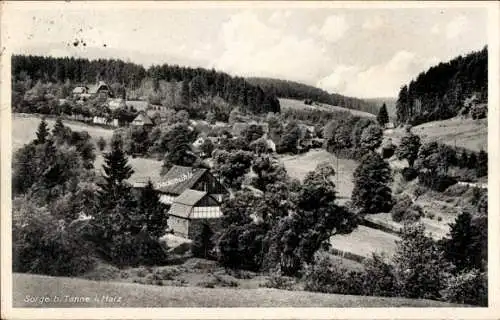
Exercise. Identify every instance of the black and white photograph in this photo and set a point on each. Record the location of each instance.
(249, 155)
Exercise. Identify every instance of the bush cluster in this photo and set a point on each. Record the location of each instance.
(406, 210)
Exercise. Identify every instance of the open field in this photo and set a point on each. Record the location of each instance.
(299, 104)
(143, 168)
(24, 128)
(466, 133)
(434, 228)
(144, 296)
(298, 166)
(364, 241)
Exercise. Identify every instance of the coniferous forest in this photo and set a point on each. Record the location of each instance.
(440, 92)
(235, 90)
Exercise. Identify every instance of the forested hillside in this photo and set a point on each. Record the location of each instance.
(295, 90)
(440, 92)
(128, 76)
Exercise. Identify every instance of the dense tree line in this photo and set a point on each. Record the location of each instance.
(195, 82)
(439, 93)
(295, 90)
(352, 137)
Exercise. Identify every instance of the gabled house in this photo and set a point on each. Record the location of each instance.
(179, 179)
(190, 210)
(101, 90)
(142, 120)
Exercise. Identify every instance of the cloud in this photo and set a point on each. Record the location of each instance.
(436, 29)
(373, 23)
(254, 48)
(332, 30)
(280, 17)
(382, 80)
(456, 26)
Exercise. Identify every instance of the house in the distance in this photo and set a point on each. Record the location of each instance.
(79, 91)
(191, 210)
(100, 90)
(142, 120)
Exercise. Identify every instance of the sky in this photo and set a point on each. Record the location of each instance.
(360, 52)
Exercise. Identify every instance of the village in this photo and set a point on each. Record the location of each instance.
(193, 195)
(181, 185)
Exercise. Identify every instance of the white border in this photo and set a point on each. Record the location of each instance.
(492, 312)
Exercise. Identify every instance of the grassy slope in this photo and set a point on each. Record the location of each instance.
(466, 133)
(136, 295)
(298, 166)
(24, 128)
(364, 241)
(298, 104)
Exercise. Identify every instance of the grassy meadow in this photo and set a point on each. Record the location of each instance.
(24, 129)
(298, 166)
(299, 104)
(149, 296)
(465, 133)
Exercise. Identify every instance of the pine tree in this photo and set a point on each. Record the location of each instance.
(482, 164)
(151, 213)
(116, 170)
(60, 132)
(42, 133)
(383, 116)
(185, 93)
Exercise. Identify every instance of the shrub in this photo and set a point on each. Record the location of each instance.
(409, 174)
(141, 272)
(479, 111)
(379, 278)
(405, 210)
(468, 287)
(129, 250)
(326, 277)
(43, 245)
(435, 181)
(166, 273)
(277, 281)
(218, 281)
(419, 264)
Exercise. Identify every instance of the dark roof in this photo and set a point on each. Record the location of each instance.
(185, 203)
(179, 178)
(190, 197)
(143, 118)
(95, 88)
